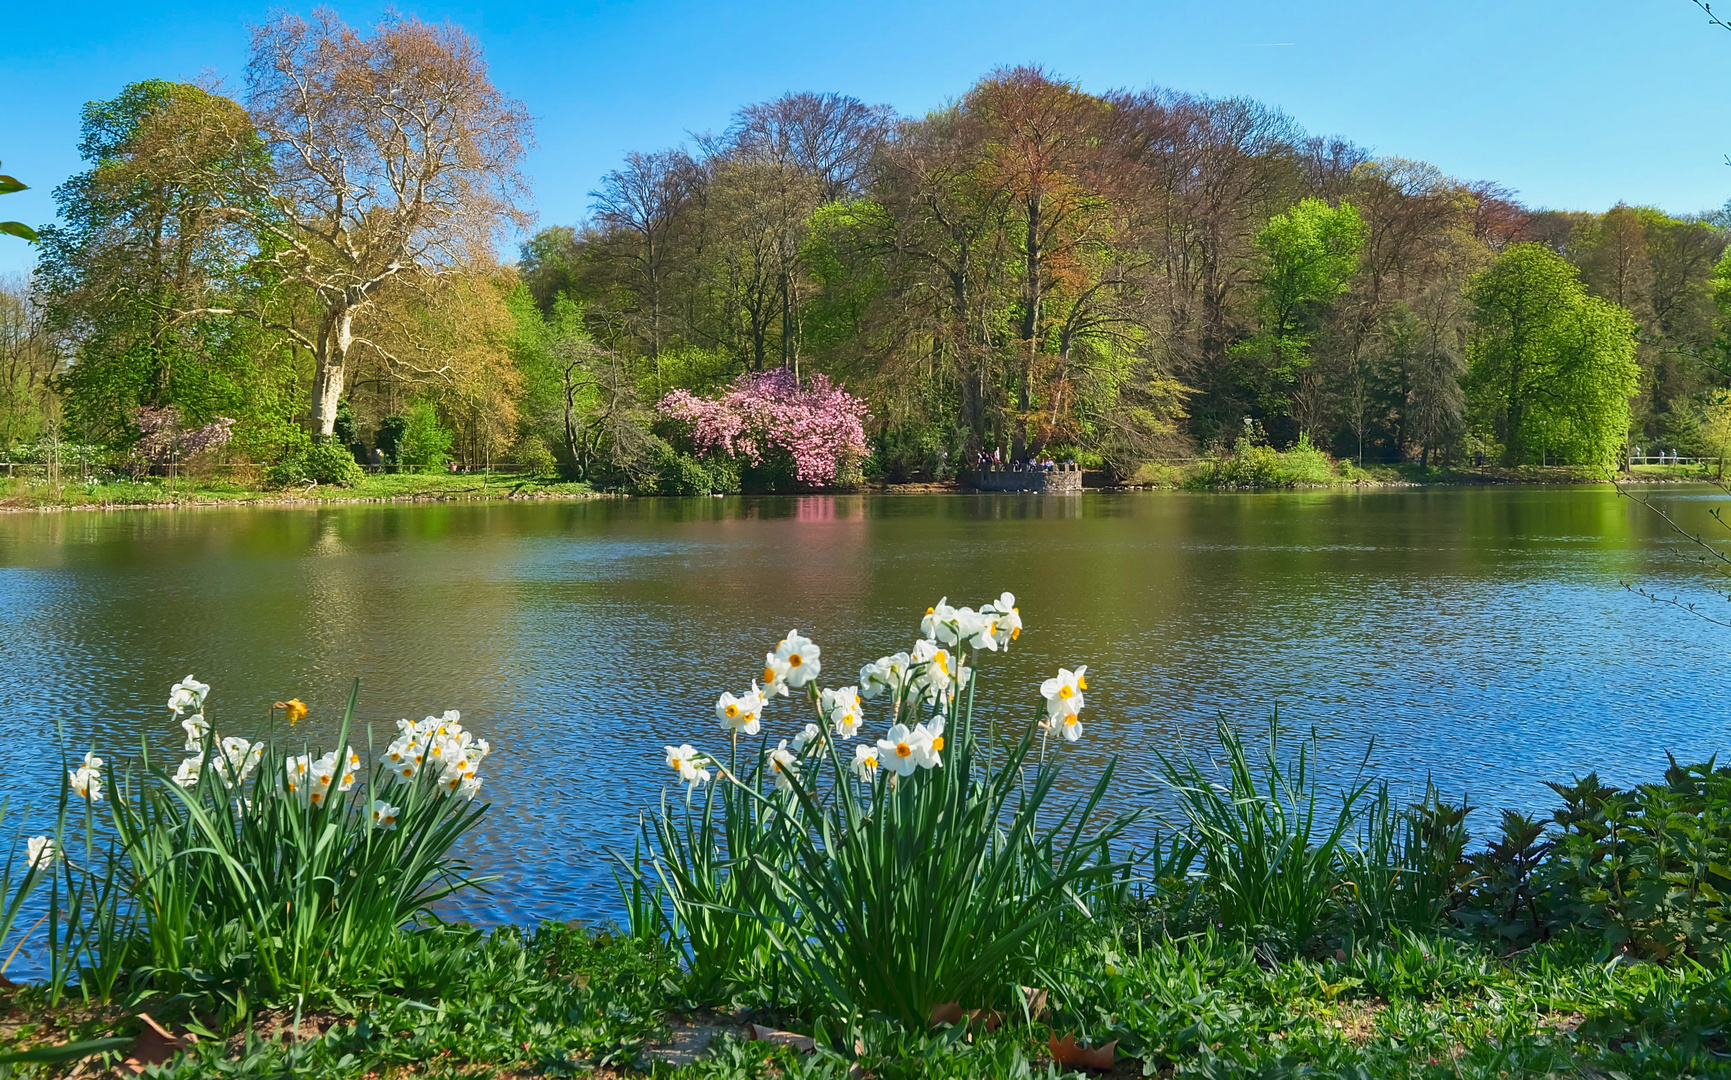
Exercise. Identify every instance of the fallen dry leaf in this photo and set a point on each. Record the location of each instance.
(155, 1046)
(949, 1012)
(1065, 1051)
(803, 1043)
(1035, 1000)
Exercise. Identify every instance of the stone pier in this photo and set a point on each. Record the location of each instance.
(1058, 480)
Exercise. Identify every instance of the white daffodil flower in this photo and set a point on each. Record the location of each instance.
(739, 715)
(682, 758)
(186, 694)
(86, 780)
(1069, 726)
(898, 750)
(978, 630)
(938, 672)
(842, 709)
(887, 673)
(40, 851)
(936, 623)
(1063, 693)
(236, 761)
(785, 766)
(405, 754)
(775, 672)
(187, 775)
(297, 777)
(196, 728)
(1006, 619)
(727, 710)
(928, 743)
(801, 657)
(865, 762)
(385, 815)
(320, 776)
(468, 788)
(806, 737)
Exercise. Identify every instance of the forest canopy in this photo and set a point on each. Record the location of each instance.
(1035, 269)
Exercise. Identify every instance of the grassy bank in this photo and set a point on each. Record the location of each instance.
(19, 493)
(1261, 468)
(563, 1001)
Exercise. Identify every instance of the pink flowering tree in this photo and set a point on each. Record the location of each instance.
(162, 440)
(768, 420)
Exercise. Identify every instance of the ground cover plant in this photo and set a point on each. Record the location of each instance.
(897, 889)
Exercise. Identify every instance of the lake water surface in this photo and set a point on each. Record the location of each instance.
(1482, 636)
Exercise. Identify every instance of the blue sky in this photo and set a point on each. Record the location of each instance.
(1575, 105)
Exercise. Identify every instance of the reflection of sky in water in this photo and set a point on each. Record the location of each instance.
(1480, 635)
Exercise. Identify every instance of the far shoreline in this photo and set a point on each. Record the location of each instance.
(448, 489)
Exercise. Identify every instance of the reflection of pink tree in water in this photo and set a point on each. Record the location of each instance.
(820, 426)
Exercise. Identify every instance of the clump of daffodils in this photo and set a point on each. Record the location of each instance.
(439, 745)
(450, 756)
(917, 688)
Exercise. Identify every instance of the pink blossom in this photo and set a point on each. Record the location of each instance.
(820, 426)
(161, 438)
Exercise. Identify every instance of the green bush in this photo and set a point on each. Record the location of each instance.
(675, 472)
(1255, 465)
(323, 461)
(426, 444)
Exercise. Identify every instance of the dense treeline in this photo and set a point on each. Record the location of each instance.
(1134, 275)
(1118, 277)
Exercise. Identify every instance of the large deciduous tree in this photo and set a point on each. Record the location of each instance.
(396, 157)
(148, 271)
(1552, 367)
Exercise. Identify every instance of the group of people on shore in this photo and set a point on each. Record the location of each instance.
(997, 460)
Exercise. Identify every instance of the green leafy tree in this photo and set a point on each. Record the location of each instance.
(148, 274)
(426, 443)
(1552, 368)
(1310, 254)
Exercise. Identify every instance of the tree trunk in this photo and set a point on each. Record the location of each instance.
(330, 360)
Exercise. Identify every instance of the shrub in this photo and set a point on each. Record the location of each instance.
(426, 444)
(1255, 465)
(893, 875)
(323, 461)
(674, 472)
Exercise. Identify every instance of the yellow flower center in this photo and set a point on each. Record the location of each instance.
(732, 710)
(1081, 682)
(1072, 720)
(768, 674)
(931, 610)
(1015, 633)
(937, 743)
(317, 797)
(942, 659)
(1066, 692)
(795, 660)
(870, 760)
(904, 750)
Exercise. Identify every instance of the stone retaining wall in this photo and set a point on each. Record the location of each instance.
(1060, 480)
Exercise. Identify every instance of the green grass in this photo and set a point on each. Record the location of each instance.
(24, 494)
(561, 1001)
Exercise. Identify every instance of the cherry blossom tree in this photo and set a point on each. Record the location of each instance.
(818, 426)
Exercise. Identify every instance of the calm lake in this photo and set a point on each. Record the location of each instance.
(1481, 635)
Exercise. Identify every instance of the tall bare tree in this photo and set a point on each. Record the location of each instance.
(395, 155)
